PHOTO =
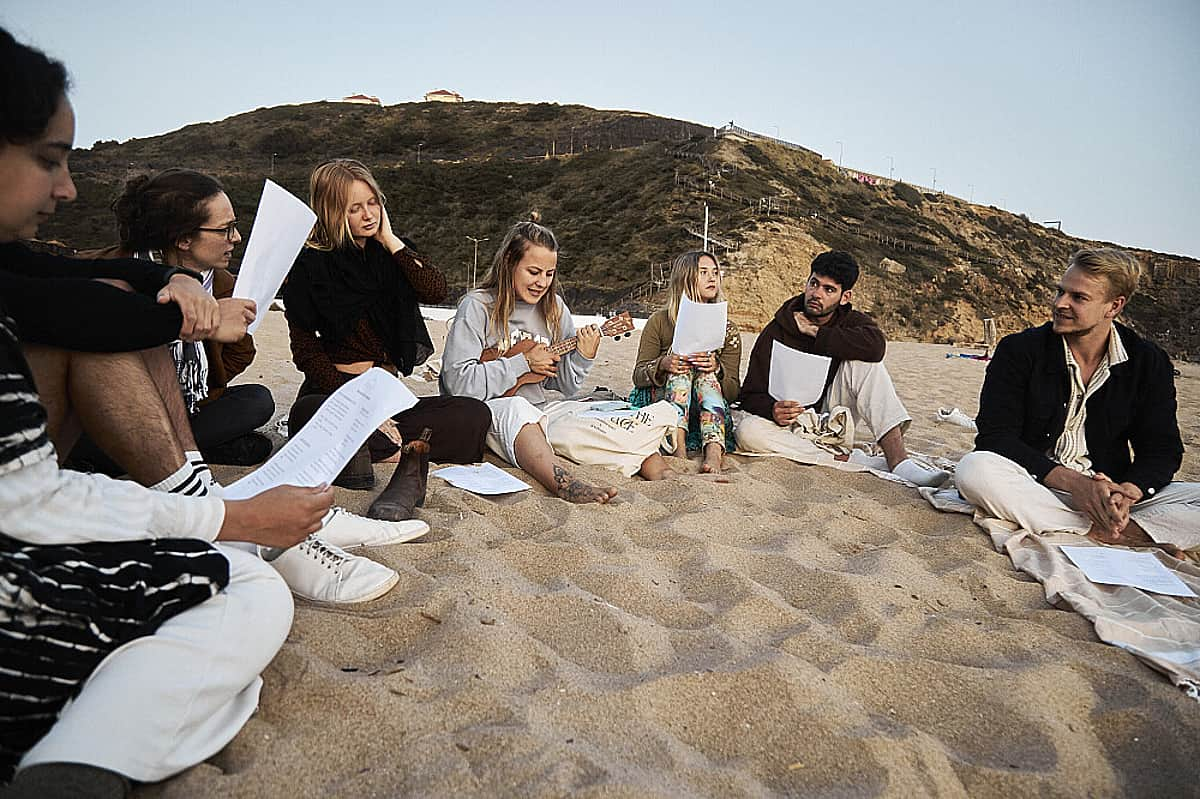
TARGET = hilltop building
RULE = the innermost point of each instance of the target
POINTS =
(443, 96)
(362, 99)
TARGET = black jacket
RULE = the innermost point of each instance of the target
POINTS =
(1023, 409)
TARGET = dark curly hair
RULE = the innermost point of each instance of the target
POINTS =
(153, 212)
(837, 265)
(31, 88)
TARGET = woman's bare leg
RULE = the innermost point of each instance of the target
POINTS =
(655, 468)
(713, 453)
(535, 456)
(681, 443)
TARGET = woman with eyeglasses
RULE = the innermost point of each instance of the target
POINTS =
(184, 219)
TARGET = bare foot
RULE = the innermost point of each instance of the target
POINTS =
(655, 468)
(713, 460)
(572, 489)
(1132, 536)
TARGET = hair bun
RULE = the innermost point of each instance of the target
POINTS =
(535, 217)
(128, 205)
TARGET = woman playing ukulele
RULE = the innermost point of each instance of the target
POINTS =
(519, 300)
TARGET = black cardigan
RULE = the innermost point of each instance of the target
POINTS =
(1023, 409)
(55, 301)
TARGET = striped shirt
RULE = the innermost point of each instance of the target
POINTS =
(1071, 449)
(86, 563)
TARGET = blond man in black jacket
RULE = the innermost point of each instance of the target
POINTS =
(1077, 426)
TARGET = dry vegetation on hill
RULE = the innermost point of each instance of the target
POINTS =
(619, 188)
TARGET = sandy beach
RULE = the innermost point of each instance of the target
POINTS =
(778, 630)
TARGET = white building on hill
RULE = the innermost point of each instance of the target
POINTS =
(362, 99)
(443, 96)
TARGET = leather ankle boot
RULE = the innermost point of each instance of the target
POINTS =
(406, 490)
(358, 474)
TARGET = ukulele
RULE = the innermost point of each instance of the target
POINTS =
(617, 326)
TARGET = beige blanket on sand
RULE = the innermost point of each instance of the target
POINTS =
(1163, 631)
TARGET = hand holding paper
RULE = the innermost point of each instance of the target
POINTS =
(317, 453)
(280, 228)
(699, 327)
(797, 376)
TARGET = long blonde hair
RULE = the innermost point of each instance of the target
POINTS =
(499, 277)
(329, 197)
(685, 281)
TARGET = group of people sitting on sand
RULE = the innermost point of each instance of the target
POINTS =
(136, 615)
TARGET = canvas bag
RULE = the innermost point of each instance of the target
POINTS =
(619, 439)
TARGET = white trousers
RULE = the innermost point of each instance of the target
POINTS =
(1004, 489)
(865, 388)
(165, 702)
(622, 442)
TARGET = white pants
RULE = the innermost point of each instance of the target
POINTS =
(865, 388)
(617, 443)
(1004, 489)
(165, 702)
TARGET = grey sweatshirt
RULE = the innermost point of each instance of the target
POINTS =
(464, 375)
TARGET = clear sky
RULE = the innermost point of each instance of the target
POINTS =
(1085, 112)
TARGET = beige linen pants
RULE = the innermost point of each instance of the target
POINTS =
(1005, 490)
(865, 388)
(165, 702)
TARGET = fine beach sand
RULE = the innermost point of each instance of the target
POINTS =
(781, 630)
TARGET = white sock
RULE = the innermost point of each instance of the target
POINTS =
(919, 473)
(184, 480)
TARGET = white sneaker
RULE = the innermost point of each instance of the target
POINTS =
(317, 570)
(955, 416)
(348, 530)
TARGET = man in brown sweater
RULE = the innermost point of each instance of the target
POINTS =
(821, 321)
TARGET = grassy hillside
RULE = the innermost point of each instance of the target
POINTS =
(619, 188)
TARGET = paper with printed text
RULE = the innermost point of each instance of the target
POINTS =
(326, 444)
(481, 478)
(1122, 567)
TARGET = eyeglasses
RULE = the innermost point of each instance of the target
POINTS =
(229, 230)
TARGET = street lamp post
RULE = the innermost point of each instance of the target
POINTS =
(273, 163)
(971, 199)
(839, 144)
(420, 144)
(475, 268)
(891, 168)
(934, 168)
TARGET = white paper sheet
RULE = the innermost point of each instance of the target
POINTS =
(326, 444)
(281, 225)
(700, 327)
(481, 478)
(796, 376)
(1122, 567)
